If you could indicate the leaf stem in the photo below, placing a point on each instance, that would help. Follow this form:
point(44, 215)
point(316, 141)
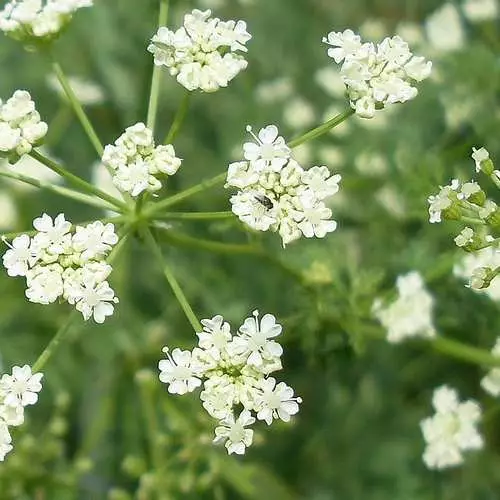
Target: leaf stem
point(157, 72)
point(322, 129)
point(197, 215)
point(79, 182)
point(174, 285)
point(77, 107)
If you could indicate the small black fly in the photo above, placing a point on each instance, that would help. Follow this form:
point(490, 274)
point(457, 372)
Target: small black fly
point(264, 201)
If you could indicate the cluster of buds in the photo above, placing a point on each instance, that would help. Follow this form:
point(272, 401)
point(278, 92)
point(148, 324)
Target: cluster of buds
point(136, 161)
point(234, 370)
point(60, 264)
point(20, 126)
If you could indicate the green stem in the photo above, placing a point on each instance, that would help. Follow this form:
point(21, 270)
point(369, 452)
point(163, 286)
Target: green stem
point(174, 285)
point(184, 195)
point(197, 215)
point(322, 129)
point(472, 220)
point(66, 192)
point(78, 181)
point(54, 343)
point(495, 180)
point(178, 119)
point(452, 348)
point(184, 240)
point(77, 107)
point(157, 71)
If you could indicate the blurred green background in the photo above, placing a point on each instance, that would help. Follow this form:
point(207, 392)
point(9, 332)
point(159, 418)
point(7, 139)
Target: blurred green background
point(105, 427)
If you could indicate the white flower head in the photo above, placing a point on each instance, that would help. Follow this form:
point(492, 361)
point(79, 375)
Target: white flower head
point(38, 20)
point(410, 315)
point(137, 163)
point(451, 431)
point(276, 401)
point(177, 372)
point(376, 75)
point(205, 53)
point(491, 381)
point(276, 193)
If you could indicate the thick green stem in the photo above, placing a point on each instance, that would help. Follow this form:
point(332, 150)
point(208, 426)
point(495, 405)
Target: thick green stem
point(174, 285)
point(184, 195)
point(78, 181)
point(197, 215)
point(77, 108)
point(322, 129)
point(157, 71)
point(178, 119)
point(62, 191)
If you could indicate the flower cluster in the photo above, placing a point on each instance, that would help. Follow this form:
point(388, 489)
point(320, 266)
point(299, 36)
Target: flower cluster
point(58, 263)
point(16, 391)
point(20, 126)
point(376, 75)
point(410, 315)
point(204, 53)
point(136, 161)
point(491, 382)
point(29, 20)
point(277, 194)
point(451, 430)
point(234, 371)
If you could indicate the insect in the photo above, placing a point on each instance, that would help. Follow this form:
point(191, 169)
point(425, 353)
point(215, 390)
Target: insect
point(264, 201)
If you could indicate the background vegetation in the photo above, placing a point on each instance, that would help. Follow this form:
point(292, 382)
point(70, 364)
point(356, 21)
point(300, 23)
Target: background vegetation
point(105, 427)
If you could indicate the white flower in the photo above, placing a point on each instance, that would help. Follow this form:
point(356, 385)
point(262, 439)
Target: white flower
point(21, 388)
point(451, 430)
point(233, 371)
point(5, 440)
point(52, 235)
point(442, 201)
point(479, 156)
point(44, 284)
point(137, 162)
point(94, 240)
point(465, 237)
point(444, 29)
point(473, 265)
point(410, 315)
point(20, 256)
point(20, 125)
point(277, 194)
point(276, 401)
point(254, 339)
point(491, 382)
point(204, 54)
point(28, 20)
point(176, 371)
point(96, 300)
point(234, 433)
point(376, 76)
point(477, 11)
point(270, 148)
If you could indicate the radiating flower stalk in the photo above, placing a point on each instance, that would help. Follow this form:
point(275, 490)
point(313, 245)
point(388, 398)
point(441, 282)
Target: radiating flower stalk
point(273, 193)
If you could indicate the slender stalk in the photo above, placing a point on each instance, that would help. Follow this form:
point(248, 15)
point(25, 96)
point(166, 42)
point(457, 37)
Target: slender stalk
point(63, 191)
point(184, 195)
point(449, 347)
point(322, 129)
point(495, 180)
point(178, 119)
point(174, 285)
point(472, 220)
point(78, 181)
point(157, 71)
point(184, 240)
point(54, 343)
point(77, 107)
point(197, 215)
